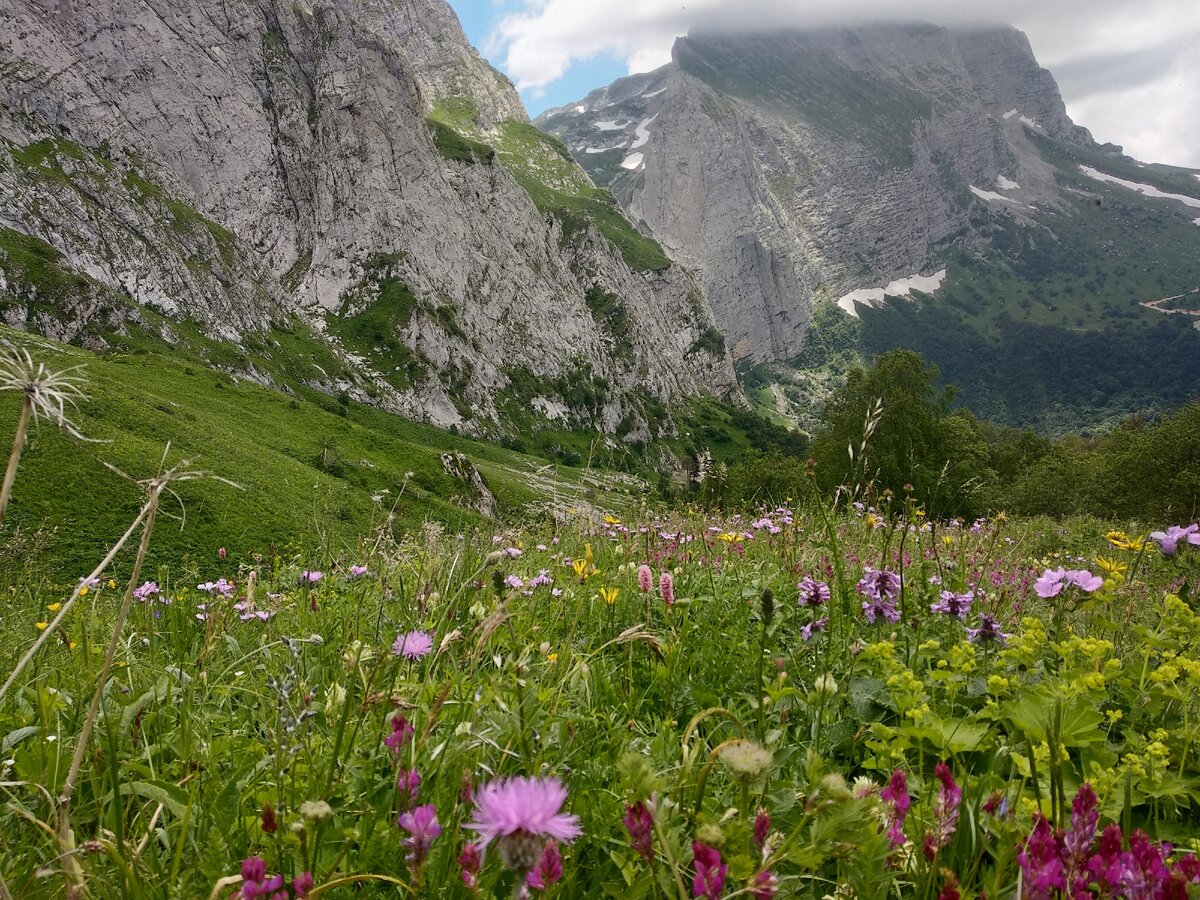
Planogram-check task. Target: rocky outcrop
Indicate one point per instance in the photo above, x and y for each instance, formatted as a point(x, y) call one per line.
point(234, 163)
point(789, 167)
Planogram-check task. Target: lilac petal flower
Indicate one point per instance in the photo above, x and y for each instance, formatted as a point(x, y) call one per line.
point(423, 829)
point(413, 645)
point(358, 571)
point(880, 607)
point(514, 581)
point(812, 592)
point(988, 630)
point(710, 872)
point(878, 584)
point(529, 806)
point(814, 627)
point(146, 591)
point(952, 604)
point(1084, 580)
point(1051, 583)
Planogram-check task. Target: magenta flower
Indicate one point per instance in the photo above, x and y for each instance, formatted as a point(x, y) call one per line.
point(519, 814)
point(1168, 541)
point(812, 592)
point(255, 882)
point(413, 645)
point(148, 590)
point(945, 810)
point(765, 886)
point(401, 734)
point(895, 796)
point(666, 587)
point(468, 863)
point(762, 827)
point(408, 783)
point(639, 822)
point(548, 868)
point(423, 829)
point(302, 884)
point(1041, 862)
point(645, 578)
point(952, 604)
point(710, 872)
point(1051, 583)
point(1085, 817)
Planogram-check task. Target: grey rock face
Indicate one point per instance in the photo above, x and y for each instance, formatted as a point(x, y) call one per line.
point(298, 131)
point(796, 166)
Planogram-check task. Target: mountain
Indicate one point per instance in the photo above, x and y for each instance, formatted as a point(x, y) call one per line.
point(329, 195)
point(813, 178)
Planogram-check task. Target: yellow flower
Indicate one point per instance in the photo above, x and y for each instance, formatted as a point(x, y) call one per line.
point(552, 658)
point(732, 537)
point(873, 521)
point(42, 626)
point(611, 520)
point(1123, 541)
point(83, 591)
point(609, 595)
point(54, 607)
point(111, 584)
point(580, 567)
point(72, 645)
point(948, 539)
point(1111, 566)
point(587, 552)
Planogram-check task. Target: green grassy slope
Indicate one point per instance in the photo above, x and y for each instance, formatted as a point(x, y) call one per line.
point(307, 467)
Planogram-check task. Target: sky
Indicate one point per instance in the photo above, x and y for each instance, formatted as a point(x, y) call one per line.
point(1128, 71)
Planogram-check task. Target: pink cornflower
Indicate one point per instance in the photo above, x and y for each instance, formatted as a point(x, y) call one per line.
point(666, 587)
point(413, 645)
point(519, 814)
point(645, 578)
point(710, 872)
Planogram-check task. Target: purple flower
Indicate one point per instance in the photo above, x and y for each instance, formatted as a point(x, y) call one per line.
point(639, 822)
point(710, 872)
point(645, 578)
point(519, 813)
point(541, 578)
point(514, 581)
point(1051, 583)
point(1169, 540)
point(814, 627)
point(877, 584)
point(423, 829)
point(1085, 816)
point(548, 868)
point(812, 592)
point(220, 586)
point(895, 795)
point(401, 734)
point(1041, 862)
point(878, 607)
point(309, 577)
point(1084, 580)
point(255, 882)
point(146, 591)
point(988, 630)
point(408, 783)
point(413, 645)
point(358, 571)
point(952, 604)
point(302, 884)
point(945, 810)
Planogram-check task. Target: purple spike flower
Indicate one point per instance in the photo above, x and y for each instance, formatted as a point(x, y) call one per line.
point(639, 822)
point(812, 592)
point(945, 810)
point(895, 795)
point(423, 829)
point(1041, 862)
point(710, 872)
point(548, 868)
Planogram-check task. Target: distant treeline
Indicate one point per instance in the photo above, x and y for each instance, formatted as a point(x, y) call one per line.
point(908, 441)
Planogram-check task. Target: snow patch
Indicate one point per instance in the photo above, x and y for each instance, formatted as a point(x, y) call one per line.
point(1011, 113)
point(1196, 221)
point(1006, 184)
point(607, 126)
point(632, 161)
point(581, 109)
point(1144, 189)
point(1196, 176)
point(992, 195)
point(643, 133)
point(655, 93)
point(901, 287)
point(1030, 122)
point(600, 149)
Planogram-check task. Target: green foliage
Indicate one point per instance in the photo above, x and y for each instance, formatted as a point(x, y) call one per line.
point(455, 146)
point(374, 331)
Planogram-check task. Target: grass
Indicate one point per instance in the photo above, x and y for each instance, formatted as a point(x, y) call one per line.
point(306, 465)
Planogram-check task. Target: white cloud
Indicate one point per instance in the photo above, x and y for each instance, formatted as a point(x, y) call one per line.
point(1125, 71)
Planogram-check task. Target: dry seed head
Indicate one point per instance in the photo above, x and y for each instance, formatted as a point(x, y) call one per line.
point(49, 392)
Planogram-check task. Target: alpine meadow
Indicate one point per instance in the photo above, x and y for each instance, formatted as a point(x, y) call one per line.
point(773, 474)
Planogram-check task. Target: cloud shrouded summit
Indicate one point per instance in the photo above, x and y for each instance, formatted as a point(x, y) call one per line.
point(1128, 74)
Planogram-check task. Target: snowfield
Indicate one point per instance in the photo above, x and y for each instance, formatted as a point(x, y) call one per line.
point(901, 287)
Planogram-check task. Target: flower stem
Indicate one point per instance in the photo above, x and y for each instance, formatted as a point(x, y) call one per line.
point(14, 455)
